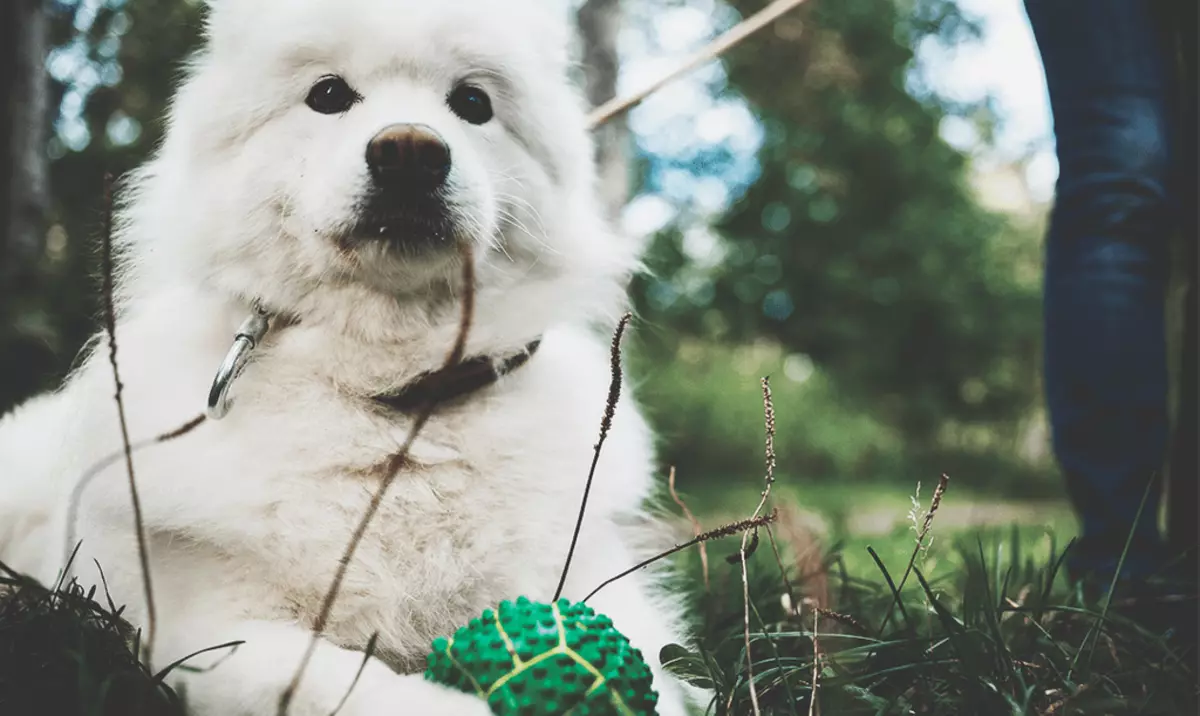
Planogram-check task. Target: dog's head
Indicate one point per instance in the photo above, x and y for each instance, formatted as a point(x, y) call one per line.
point(317, 145)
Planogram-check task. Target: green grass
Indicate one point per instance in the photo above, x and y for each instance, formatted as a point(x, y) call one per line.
point(844, 509)
point(63, 652)
point(986, 622)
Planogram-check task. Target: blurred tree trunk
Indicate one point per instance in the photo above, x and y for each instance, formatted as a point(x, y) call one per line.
point(599, 23)
point(24, 194)
point(23, 162)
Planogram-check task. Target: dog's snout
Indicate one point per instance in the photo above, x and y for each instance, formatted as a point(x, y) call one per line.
point(409, 156)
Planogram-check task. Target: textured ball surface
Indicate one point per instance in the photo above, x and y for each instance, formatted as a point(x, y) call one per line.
point(532, 659)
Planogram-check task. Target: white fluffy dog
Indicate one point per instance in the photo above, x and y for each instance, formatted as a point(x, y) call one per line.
point(324, 158)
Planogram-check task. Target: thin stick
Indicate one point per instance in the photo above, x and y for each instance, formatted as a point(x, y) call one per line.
point(812, 701)
point(391, 471)
point(104, 464)
point(769, 480)
point(110, 326)
point(726, 531)
point(746, 631)
point(727, 41)
point(696, 528)
point(934, 503)
point(367, 654)
point(610, 409)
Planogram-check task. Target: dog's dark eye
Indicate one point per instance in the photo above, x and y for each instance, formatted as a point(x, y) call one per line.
point(331, 95)
point(471, 103)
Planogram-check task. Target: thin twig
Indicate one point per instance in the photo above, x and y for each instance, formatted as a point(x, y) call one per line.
point(812, 701)
point(934, 504)
point(106, 462)
point(783, 673)
point(610, 410)
point(746, 623)
point(368, 652)
point(391, 471)
point(727, 41)
point(696, 528)
point(769, 480)
point(725, 531)
point(110, 326)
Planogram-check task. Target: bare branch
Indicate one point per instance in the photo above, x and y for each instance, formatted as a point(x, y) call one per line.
point(727, 41)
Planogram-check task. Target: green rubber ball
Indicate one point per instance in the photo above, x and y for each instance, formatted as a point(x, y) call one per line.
point(532, 659)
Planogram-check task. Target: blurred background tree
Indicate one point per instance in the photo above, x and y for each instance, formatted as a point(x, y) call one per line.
point(861, 252)
point(846, 251)
point(23, 186)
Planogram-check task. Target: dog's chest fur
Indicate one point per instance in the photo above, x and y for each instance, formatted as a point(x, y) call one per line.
point(262, 504)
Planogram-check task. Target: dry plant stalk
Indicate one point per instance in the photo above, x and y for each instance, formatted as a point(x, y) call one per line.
point(746, 625)
point(391, 471)
point(103, 464)
point(846, 619)
point(728, 530)
point(807, 552)
point(727, 41)
point(110, 327)
point(696, 528)
point(812, 700)
point(769, 480)
point(934, 503)
point(610, 410)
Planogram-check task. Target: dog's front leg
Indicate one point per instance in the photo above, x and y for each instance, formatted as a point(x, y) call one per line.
point(249, 680)
point(650, 626)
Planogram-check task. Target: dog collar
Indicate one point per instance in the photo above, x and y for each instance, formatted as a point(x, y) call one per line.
point(437, 386)
point(456, 381)
point(247, 338)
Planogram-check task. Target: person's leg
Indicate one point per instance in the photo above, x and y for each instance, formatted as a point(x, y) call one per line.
point(1106, 270)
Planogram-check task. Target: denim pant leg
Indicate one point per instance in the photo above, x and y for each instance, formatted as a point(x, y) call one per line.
point(1106, 268)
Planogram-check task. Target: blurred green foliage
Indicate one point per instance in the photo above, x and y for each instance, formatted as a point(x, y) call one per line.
point(111, 65)
point(860, 248)
point(859, 261)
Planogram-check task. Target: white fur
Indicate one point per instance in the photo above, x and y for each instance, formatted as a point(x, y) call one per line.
point(247, 517)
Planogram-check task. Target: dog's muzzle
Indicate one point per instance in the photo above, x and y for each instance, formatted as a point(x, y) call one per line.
point(409, 166)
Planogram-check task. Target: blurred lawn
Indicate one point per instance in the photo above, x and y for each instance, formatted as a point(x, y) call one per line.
point(705, 404)
point(847, 518)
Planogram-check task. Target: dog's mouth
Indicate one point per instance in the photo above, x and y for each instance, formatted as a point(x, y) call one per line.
point(412, 223)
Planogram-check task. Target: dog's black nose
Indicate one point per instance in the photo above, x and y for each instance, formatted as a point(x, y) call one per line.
point(408, 157)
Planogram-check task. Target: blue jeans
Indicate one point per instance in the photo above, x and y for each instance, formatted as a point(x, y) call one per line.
point(1112, 91)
